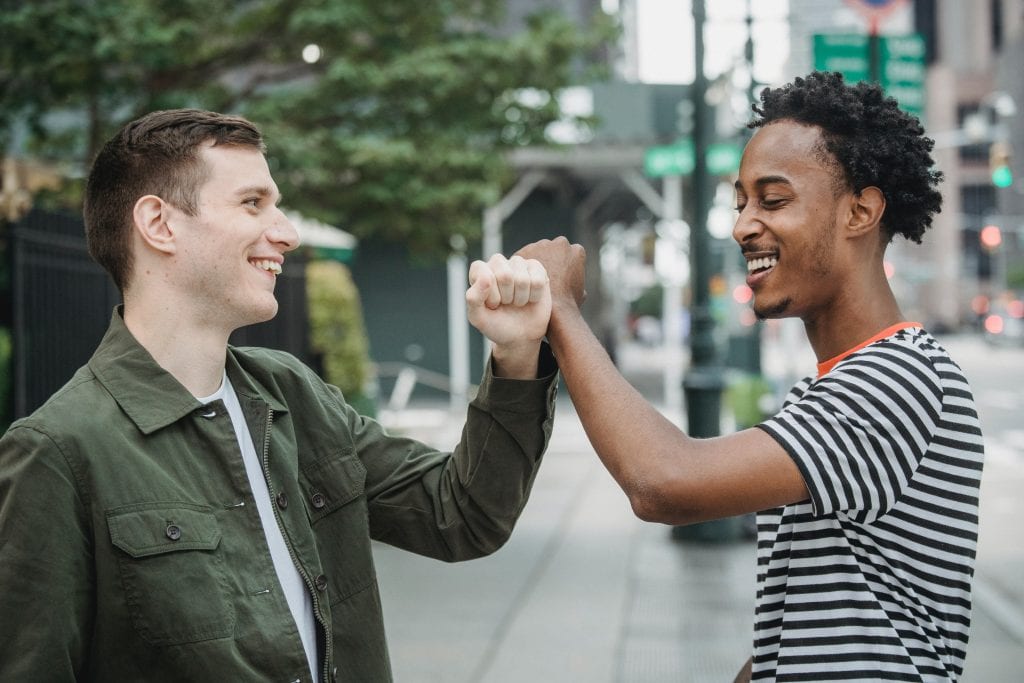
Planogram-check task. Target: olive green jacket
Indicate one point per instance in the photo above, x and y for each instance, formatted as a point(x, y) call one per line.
point(131, 548)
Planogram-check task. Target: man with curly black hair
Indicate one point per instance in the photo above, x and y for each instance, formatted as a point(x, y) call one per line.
point(866, 482)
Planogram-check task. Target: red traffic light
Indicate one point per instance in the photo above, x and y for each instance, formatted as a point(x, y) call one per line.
point(991, 237)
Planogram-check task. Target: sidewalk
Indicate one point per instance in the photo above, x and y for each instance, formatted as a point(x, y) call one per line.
point(583, 591)
point(586, 592)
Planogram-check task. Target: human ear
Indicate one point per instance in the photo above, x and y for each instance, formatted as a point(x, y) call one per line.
point(149, 218)
point(866, 210)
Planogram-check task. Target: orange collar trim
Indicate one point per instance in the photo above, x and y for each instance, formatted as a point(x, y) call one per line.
point(825, 366)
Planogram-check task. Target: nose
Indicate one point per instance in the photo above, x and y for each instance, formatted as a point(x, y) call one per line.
point(747, 227)
point(283, 233)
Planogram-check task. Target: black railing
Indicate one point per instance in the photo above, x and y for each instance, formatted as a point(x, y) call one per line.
point(61, 303)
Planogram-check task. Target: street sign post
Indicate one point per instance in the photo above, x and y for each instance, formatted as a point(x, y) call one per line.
point(901, 63)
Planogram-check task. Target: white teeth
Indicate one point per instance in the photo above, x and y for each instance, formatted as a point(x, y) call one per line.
point(266, 264)
point(757, 264)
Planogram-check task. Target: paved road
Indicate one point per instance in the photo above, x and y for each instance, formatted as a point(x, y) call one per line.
point(585, 592)
point(997, 638)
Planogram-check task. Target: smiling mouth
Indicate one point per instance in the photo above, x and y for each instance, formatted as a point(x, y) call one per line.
point(761, 265)
point(266, 264)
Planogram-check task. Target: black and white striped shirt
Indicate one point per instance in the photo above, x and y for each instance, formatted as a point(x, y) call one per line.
point(870, 579)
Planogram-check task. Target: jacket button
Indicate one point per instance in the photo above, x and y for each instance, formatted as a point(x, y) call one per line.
point(320, 582)
point(282, 500)
point(173, 532)
point(318, 500)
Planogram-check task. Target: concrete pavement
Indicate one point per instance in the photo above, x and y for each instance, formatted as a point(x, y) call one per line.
point(582, 592)
point(586, 592)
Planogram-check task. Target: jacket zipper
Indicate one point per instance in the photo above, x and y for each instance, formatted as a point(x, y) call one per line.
point(328, 641)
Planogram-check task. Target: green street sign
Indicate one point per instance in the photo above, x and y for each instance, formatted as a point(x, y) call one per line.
point(846, 53)
point(721, 158)
point(903, 70)
point(900, 62)
point(675, 159)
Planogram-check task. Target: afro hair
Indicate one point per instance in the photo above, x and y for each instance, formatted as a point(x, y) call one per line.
point(872, 140)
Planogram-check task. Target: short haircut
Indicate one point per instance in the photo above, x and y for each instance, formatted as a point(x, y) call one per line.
point(157, 154)
point(871, 140)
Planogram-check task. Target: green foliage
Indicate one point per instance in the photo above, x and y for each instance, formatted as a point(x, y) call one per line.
point(1015, 276)
point(743, 396)
point(397, 131)
point(648, 303)
point(336, 330)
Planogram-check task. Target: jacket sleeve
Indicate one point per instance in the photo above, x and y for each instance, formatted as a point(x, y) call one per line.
point(45, 562)
point(463, 504)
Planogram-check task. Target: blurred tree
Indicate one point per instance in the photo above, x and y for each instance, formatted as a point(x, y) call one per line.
point(393, 127)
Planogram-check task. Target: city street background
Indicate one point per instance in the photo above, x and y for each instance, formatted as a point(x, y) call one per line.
point(584, 591)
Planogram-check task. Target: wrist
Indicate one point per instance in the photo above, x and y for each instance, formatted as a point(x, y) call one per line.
point(565, 323)
point(516, 361)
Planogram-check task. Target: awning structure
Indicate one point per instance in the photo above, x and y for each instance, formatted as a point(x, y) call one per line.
point(323, 240)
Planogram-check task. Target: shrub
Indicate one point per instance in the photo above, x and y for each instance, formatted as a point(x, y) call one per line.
point(337, 335)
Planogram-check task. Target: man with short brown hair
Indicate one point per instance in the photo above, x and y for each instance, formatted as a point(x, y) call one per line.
point(184, 510)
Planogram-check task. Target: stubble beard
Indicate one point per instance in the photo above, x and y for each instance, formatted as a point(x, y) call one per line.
point(821, 268)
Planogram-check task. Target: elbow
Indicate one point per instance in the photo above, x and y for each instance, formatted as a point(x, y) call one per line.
point(645, 508)
point(662, 503)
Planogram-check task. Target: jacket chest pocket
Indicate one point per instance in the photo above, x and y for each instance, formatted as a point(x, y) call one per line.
point(336, 501)
point(172, 572)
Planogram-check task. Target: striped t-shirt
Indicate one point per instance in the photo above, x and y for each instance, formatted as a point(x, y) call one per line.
point(870, 579)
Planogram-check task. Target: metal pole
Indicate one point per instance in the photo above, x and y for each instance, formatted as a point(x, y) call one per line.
point(458, 330)
point(874, 48)
point(704, 381)
point(754, 357)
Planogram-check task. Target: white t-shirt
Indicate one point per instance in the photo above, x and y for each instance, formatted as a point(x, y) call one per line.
point(294, 588)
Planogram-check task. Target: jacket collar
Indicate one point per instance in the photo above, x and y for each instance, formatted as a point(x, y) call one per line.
point(149, 395)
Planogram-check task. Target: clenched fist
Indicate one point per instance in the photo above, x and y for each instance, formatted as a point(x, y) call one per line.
point(509, 301)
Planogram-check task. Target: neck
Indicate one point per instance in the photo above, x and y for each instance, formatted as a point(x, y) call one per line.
point(850, 322)
point(192, 351)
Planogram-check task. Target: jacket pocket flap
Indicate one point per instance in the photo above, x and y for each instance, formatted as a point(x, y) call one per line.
point(147, 530)
point(332, 483)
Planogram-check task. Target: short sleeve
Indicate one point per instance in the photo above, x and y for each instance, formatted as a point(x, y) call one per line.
point(859, 433)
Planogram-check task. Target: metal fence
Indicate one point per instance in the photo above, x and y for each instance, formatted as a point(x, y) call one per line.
point(62, 302)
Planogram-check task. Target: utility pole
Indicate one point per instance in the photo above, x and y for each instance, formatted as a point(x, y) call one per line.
point(704, 381)
point(754, 355)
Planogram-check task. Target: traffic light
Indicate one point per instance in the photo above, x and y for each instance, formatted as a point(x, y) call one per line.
point(991, 237)
point(999, 164)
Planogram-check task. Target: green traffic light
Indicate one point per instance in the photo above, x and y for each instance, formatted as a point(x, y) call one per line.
point(1002, 176)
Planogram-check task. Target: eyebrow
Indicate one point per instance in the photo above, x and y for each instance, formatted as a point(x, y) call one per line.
point(765, 180)
point(261, 190)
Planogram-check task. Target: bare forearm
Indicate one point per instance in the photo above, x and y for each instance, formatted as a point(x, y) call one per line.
point(634, 441)
point(667, 476)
